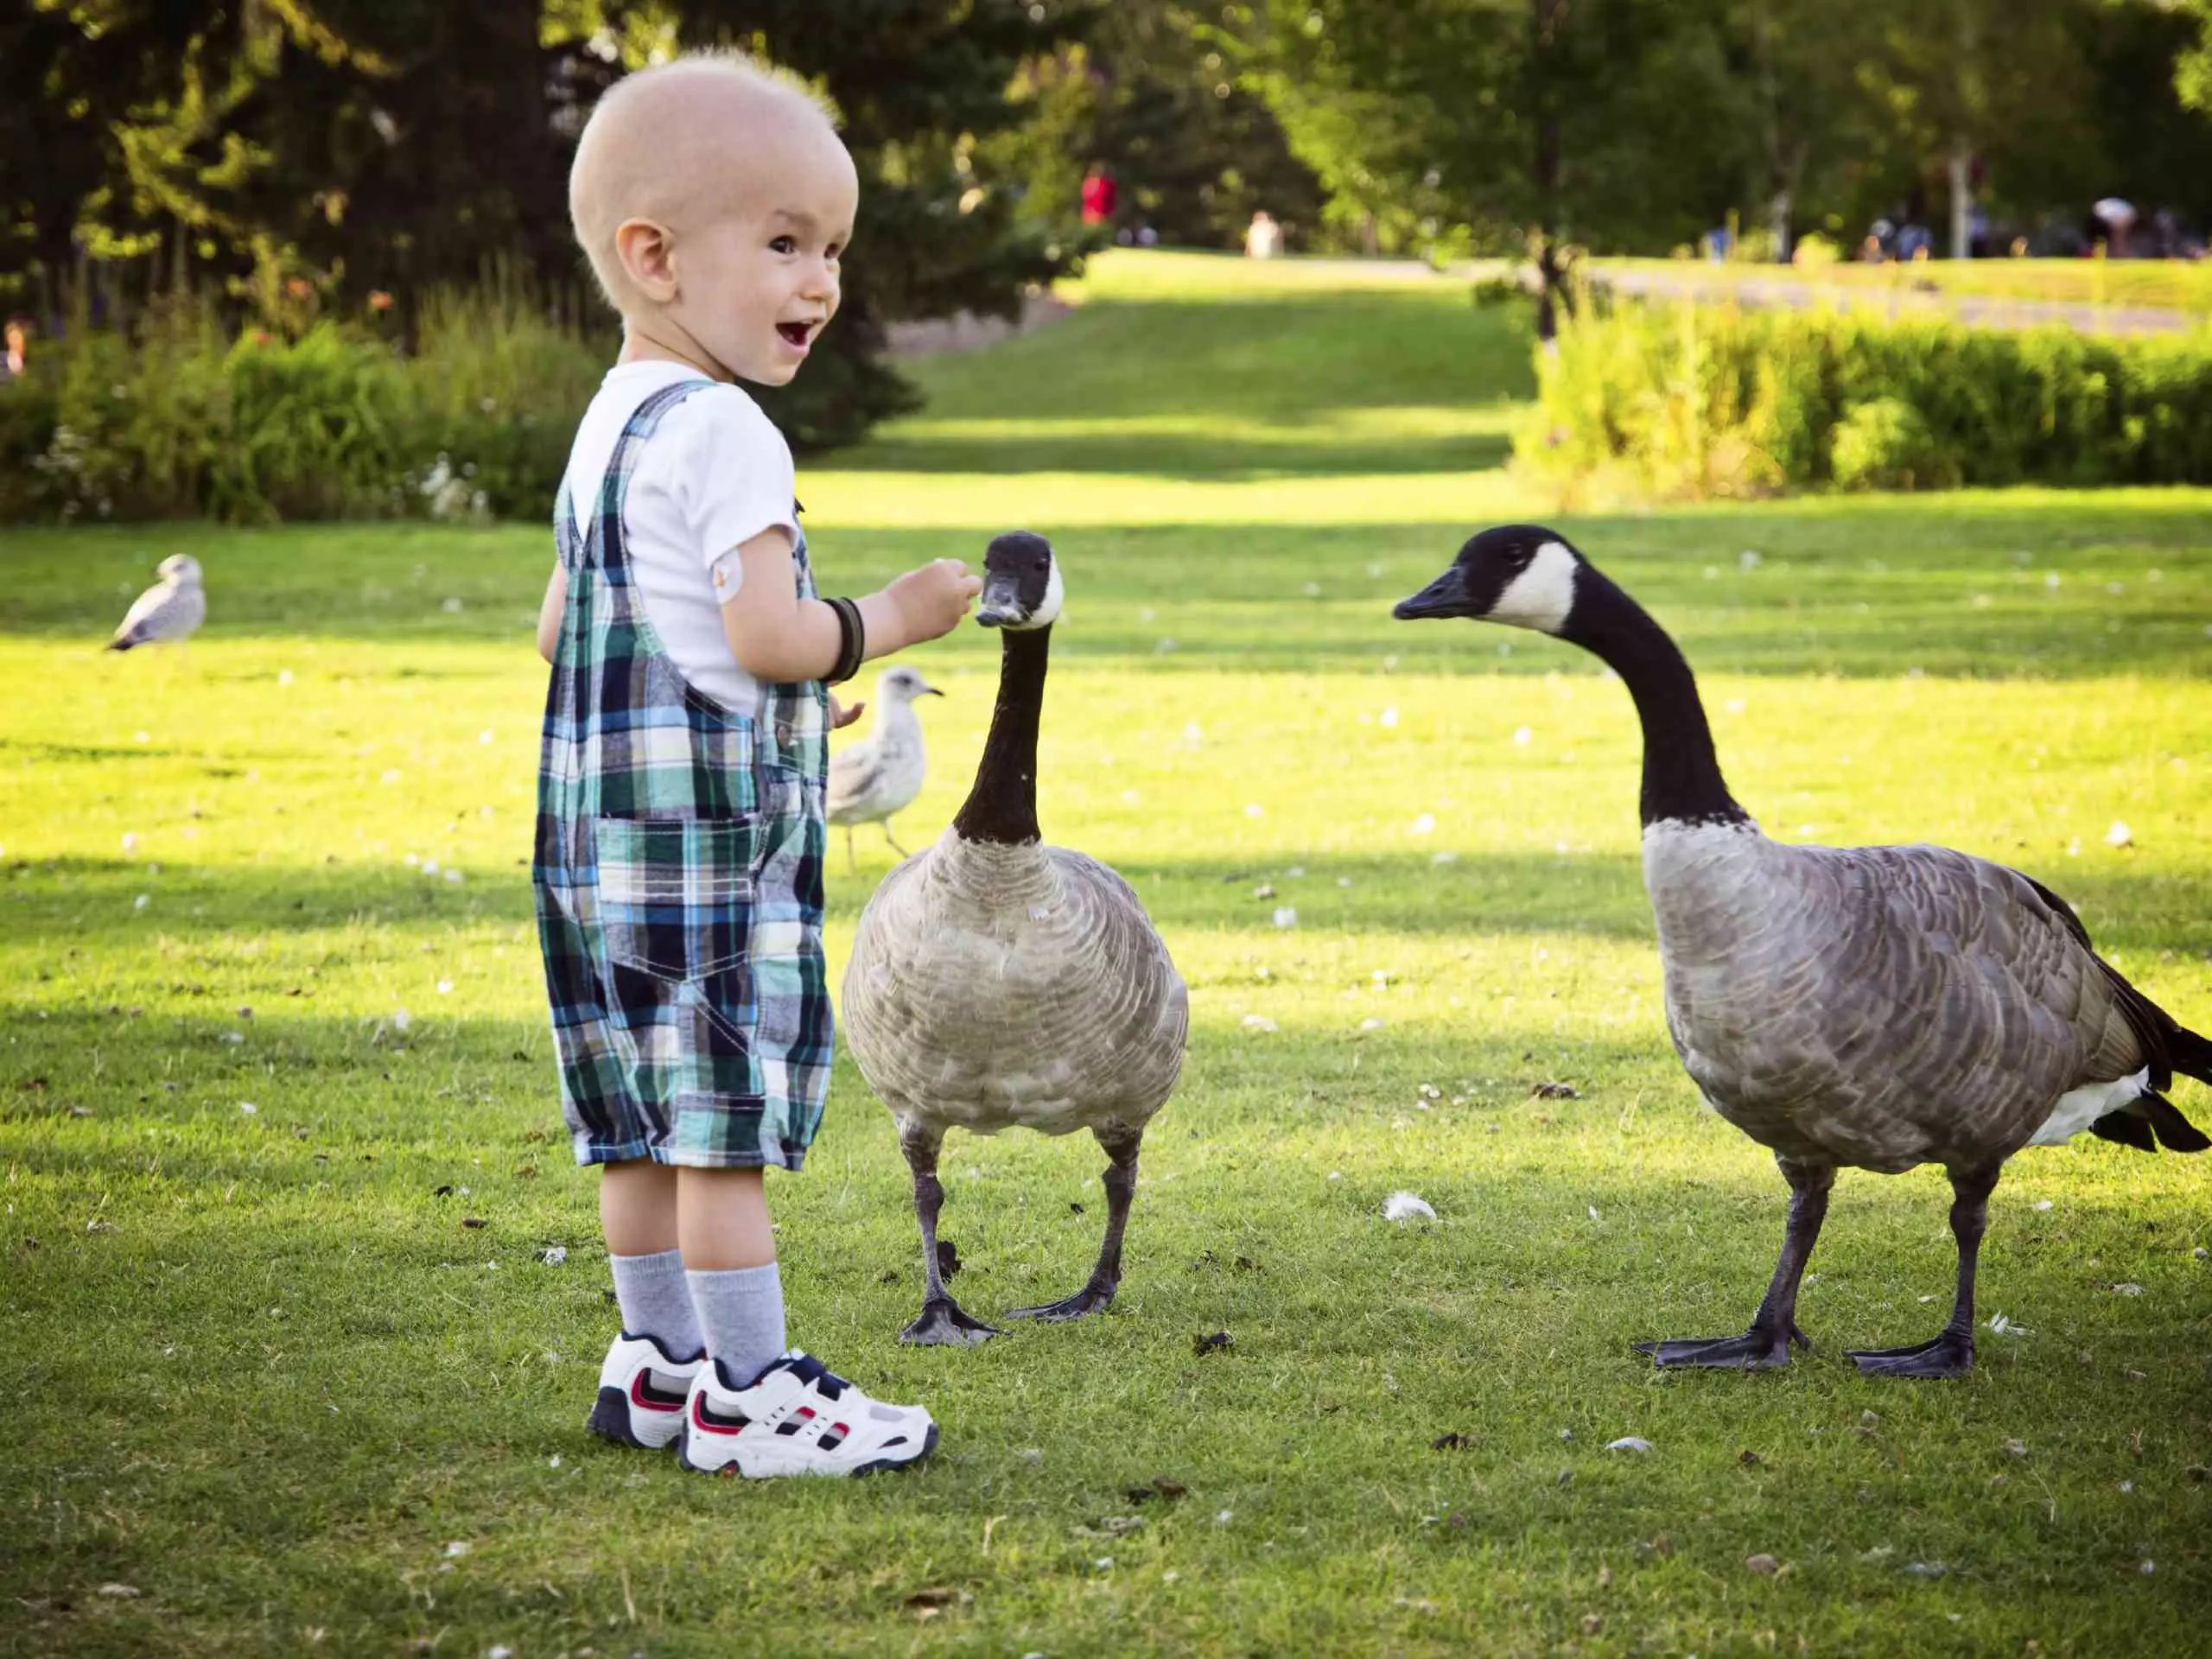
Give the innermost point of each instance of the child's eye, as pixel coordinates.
(784, 244)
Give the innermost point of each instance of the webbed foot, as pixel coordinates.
(1093, 1298)
(943, 1321)
(1949, 1355)
(1757, 1350)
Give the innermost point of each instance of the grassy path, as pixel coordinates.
(264, 1373)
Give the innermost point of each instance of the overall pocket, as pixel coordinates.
(675, 896)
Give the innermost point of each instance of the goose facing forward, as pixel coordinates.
(1874, 1007)
(997, 983)
(879, 776)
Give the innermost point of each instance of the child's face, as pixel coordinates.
(758, 283)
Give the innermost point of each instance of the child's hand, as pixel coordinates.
(841, 716)
(932, 599)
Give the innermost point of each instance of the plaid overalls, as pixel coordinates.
(679, 877)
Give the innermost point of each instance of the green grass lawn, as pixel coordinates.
(2163, 284)
(264, 1367)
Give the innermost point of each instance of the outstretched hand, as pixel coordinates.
(933, 597)
(841, 716)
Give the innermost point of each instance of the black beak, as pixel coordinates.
(1001, 603)
(1445, 596)
(931, 692)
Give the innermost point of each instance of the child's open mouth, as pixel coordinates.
(794, 333)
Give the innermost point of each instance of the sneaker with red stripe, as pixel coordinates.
(797, 1418)
(642, 1393)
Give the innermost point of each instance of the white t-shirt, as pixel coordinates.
(714, 474)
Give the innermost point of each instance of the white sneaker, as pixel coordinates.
(797, 1418)
(641, 1393)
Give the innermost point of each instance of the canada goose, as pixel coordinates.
(1870, 1006)
(882, 774)
(997, 981)
(167, 612)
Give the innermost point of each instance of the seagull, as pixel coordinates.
(882, 774)
(169, 612)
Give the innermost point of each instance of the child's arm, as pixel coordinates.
(779, 637)
(549, 613)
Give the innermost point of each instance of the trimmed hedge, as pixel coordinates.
(1703, 401)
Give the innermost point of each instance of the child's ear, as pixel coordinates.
(647, 253)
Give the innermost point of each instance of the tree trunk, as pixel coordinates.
(1549, 16)
(1961, 199)
(1778, 221)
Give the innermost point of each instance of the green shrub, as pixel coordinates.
(181, 419)
(1695, 401)
(500, 384)
(1884, 444)
(319, 428)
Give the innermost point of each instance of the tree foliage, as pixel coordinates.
(1629, 125)
(303, 155)
(1148, 94)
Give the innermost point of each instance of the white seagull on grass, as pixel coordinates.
(169, 612)
(882, 774)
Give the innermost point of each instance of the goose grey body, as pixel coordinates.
(996, 982)
(998, 988)
(879, 776)
(1881, 1006)
(1873, 1007)
(169, 612)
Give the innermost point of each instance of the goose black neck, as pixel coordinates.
(1681, 774)
(1001, 808)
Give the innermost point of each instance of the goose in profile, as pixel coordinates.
(998, 983)
(882, 774)
(1870, 1008)
(167, 613)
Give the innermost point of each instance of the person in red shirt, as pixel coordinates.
(1099, 191)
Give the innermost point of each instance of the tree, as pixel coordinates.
(1147, 92)
(1501, 124)
(1794, 67)
(290, 148)
(1960, 79)
(2193, 68)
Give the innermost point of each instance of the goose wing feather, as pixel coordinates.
(1887, 1005)
(995, 987)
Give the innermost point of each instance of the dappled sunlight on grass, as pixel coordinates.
(274, 1040)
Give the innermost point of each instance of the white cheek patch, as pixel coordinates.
(1541, 596)
(1048, 608)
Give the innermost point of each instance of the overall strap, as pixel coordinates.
(603, 539)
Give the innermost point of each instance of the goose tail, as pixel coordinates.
(2191, 1054)
(2151, 1121)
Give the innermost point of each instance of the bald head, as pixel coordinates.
(686, 144)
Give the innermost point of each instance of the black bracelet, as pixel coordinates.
(852, 642)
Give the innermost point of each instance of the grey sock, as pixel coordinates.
(656, 1300)
(741, 1315)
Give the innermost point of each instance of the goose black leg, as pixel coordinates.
(892, 839)
(1950, 1352)
(1120, 1180)
(851, 867)
(942, 1320)
(1774, 1328)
